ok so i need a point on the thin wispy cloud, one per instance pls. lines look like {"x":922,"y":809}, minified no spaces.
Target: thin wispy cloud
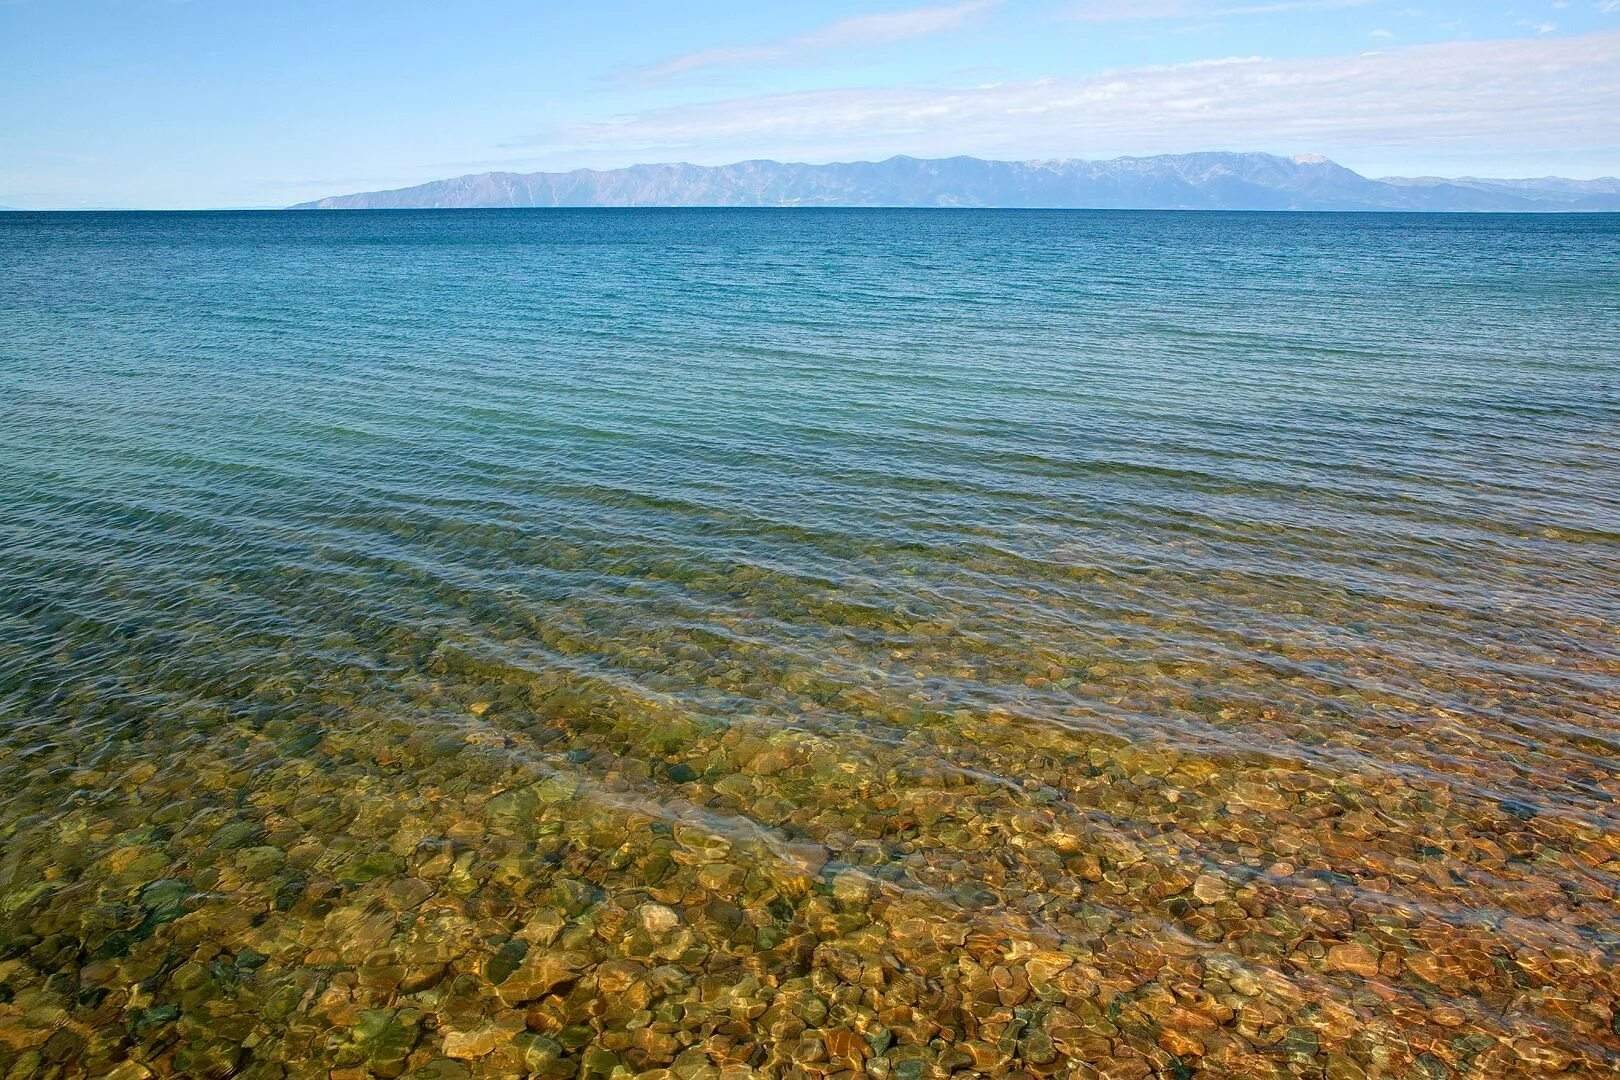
{"x":1136,"y":10}
{"x":1536,"y":92}
{"x":860,"y":31}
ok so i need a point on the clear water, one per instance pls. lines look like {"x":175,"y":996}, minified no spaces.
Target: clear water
{"x":815,"y":642}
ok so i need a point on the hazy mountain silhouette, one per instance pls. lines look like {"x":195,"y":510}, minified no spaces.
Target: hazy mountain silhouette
{"x":1209,"y":181}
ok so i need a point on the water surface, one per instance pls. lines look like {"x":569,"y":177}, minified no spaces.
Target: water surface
{"x":878,"y":643}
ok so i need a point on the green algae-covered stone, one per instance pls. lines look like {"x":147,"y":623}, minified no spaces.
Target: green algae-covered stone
{"x":371,"y":866}
{"x":381,"y":1040}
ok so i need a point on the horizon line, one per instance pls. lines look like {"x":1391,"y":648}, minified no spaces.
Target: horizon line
{"x":842,"y":207}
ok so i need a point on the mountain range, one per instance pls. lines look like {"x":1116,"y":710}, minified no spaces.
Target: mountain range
{"x":1206,"y":181}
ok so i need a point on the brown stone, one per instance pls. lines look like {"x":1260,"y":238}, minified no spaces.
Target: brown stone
{"x":480,"y":1042}
{"x":1355,"y":958}
{"x":845,"y":1046}
{"x":1180,"y":1043}
{"x":542,"y":971}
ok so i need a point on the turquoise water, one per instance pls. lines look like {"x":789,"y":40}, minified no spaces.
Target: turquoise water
{"x":880,"y":642}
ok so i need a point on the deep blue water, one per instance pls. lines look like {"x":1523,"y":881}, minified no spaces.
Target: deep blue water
{"x":976,"y":494}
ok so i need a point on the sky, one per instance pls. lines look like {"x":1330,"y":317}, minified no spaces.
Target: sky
{"x":230,"y":103}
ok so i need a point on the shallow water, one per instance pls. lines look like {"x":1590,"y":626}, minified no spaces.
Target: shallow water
{"x":820,"y":643}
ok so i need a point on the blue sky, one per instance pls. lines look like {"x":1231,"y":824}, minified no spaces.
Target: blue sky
{"x":186,"y":103}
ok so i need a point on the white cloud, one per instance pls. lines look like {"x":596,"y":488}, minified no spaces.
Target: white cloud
{"x":1557,"y":93}
{"x":860,"y":31}
{"x":1131,"y":10}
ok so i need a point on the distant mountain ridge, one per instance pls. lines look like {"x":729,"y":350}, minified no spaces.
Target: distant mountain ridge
{"x":1205,"y":181}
